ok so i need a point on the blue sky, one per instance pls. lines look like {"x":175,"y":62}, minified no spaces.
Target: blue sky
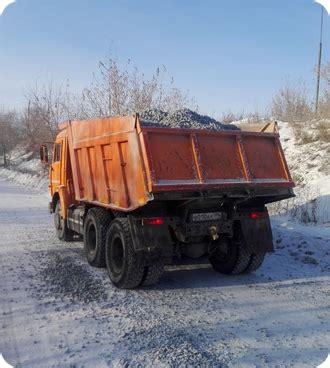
{"x":231,"y":54}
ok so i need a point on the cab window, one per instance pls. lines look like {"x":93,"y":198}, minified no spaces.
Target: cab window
{"x":57,"y":152}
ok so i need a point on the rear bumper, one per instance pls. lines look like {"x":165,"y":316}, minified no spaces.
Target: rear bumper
{"x":261,"y":193}
{"x":223,"y":185}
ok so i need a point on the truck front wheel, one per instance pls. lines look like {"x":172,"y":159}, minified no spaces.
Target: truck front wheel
{"x":122,"y":262}
{"x":95,"y":228}
{"x":62,"y":230}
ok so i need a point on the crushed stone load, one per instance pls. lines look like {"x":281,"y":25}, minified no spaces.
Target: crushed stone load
{"x":186,"y":119}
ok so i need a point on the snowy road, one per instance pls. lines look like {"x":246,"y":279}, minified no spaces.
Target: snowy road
{"x":56,"y":311}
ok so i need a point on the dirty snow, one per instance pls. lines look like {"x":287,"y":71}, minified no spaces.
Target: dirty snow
{"x":57,"y":311}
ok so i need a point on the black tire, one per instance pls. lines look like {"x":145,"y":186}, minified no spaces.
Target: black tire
{"x":152,"y":274}
{"x":95,"y":229}
{"x":61,"y":228}
{"x":256,"y":260}
{"x":234,"y":261}
{"x":118,"y":214}
{"x":123,"y":266}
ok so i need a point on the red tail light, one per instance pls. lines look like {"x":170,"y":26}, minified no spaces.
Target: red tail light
{"x":258,"y":215}
{"x":153,"y":221}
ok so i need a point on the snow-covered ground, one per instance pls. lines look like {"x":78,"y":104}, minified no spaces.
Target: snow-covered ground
{"x":57,"y":311}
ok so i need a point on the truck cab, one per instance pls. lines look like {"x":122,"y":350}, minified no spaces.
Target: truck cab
{"x":60,"y":179}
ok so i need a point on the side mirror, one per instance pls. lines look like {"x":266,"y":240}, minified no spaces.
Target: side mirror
{"x":44,"y":154}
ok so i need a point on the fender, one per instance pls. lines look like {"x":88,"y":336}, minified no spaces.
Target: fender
{"x":65,"y":200}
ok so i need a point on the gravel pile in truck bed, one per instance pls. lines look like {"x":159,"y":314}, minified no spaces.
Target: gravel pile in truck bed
{"x":185,"y":118}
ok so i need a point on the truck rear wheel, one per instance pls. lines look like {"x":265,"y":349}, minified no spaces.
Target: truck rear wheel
{"x":62,"y":230}
{"x":95,"y":228}
{"x":152,"y":274}
{"x":256,"y":261}
{"x":122,"y":262}
{"x":232,"y":260}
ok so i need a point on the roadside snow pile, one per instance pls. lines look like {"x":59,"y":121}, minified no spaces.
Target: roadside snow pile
{"x":309,"y":162}
{"x":186,"y":119}
{"x":312,"y":204}
{"x":26,"y":170}
{"x":309,"y":165}
{"x":36,"y":181}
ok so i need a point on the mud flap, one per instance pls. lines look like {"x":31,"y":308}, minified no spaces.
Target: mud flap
{"x":152,"y":241}
{"x":257,"y":234}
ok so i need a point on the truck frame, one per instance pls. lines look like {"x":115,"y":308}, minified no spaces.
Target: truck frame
{"x":141,"y":196}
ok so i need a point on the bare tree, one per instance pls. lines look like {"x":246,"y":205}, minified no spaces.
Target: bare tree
{"x":325,"y":74}
{"x":34,"y":129}
{"x":324,"y":102}
{"x":9,"y":134}
{"x":48,"y":104}
{"x":292,"y":104}
{"x":122,"y":91}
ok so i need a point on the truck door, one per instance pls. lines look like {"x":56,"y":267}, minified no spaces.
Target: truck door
{"x":55,"y":169}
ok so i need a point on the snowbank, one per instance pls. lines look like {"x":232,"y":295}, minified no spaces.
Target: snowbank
{"x":309,"y":164}
{"x":36,"y":181}
{"x":26,"y":170}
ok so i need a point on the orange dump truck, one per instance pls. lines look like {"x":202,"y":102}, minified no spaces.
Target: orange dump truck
{"x":142,"y":195}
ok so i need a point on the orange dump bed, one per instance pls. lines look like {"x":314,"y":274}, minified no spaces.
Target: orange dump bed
{"x":118,"y":163}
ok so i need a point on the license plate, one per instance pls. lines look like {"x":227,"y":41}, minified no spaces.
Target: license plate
{"x":212,"y":216}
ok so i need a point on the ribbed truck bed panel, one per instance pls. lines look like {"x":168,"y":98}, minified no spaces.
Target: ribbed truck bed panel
{"x":200,"y":159}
